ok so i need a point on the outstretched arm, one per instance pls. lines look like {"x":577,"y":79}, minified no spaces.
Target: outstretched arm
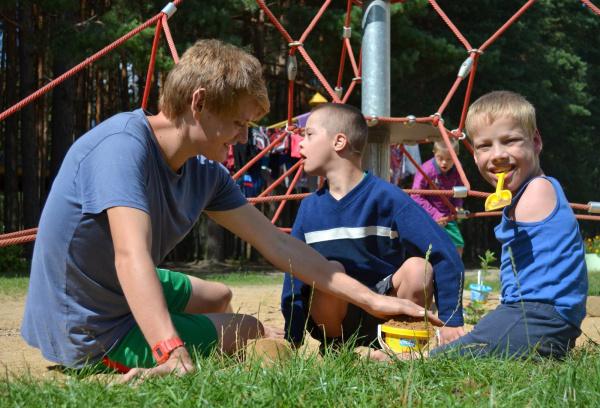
{"x":291,"y":255}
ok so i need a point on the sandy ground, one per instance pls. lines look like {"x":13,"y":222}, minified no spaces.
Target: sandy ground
{"x":262,"y":301}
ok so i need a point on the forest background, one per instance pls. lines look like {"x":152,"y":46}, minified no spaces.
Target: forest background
{"x":550,"y":55}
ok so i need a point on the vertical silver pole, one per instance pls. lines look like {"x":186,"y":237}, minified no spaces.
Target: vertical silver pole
{"x":376,"y":82}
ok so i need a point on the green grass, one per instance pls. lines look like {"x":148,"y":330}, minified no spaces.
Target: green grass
{"x":246,"y":278}
{"x":594,"y":282}
{"x":13,"y":285}
{"x":342,"y":380}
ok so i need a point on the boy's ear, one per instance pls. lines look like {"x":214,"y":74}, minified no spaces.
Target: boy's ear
{"x":340,"y":141}
{"x":198,"y":101}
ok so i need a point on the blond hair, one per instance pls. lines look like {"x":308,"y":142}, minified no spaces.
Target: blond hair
{"x":346,"y":119}
{"x":440,"y":145}
{"x":491,"y":106}
{"x":224,"y":70}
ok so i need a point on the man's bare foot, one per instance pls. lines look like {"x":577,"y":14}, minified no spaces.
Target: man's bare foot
{"x":273,"y":332}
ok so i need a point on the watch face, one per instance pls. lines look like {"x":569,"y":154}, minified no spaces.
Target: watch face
{"x":159,"y":353}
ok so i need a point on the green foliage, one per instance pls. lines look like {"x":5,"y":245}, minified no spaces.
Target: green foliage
{"x":473,"y":312}
{"x":486,"y":260}
{"x":12,"y":260}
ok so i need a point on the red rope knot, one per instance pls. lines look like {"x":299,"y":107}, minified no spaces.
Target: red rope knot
{"x":347,"y":32}
{"x":357,"y":79}
{"x":295,"y":44}
{"x":594,"y":207}
{"x":437,"y":117}
{"x":459,"y":135}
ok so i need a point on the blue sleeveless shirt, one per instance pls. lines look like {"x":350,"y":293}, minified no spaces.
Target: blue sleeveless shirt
{"x":549,"y":259}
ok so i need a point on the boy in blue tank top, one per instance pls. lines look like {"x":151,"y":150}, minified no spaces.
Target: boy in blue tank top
{"x":372,"y":230}
{"x":543,"y":272}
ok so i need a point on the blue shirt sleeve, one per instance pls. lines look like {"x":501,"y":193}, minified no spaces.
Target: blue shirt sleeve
{"x":417,"y":231}
{"x":293,"y":306}
{"x":114,"y":174}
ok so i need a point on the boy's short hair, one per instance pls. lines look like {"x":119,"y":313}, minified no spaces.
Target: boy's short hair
{"x":224,"y":70}
{"x":494,"y":105}
{"x":440,"y":145}
{"x":346,"y":119}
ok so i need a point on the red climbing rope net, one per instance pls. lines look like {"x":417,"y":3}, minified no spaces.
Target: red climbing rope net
{"x":336,"y":95}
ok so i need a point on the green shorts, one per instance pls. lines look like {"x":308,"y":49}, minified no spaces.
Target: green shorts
{"x":455,"y":235}
{"x":197,"y":331}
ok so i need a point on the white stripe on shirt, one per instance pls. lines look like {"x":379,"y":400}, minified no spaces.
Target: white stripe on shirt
{"x":349,"y":233}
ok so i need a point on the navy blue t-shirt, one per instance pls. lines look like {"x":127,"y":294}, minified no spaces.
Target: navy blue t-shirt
{"x":75,"y":310}
{"x":372,"y":230}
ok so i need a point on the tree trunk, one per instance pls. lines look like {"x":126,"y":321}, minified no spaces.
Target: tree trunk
{"x":11,"y":197}
{"x":63,"y":98}
{"x":27,"y":72}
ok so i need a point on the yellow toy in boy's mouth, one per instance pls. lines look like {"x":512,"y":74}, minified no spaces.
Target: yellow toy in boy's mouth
{"x":501,"y":198}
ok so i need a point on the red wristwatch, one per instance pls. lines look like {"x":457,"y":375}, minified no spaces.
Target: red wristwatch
{"x":162,"y":350}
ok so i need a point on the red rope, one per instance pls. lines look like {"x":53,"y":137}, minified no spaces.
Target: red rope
{"x":319,"y":75}
{"x":151,"y":64}
{"x":591,"y":6}
{"x":169,"y":38}
{"x":35,"y":95}
{"x":18,"y":240}
{"x":314,"y":21}
{"x":275,"y":21}
{"x":30,"y":231}
{"x":270,"y":199}
{"x":259,"y":156}
{"x":504,"y":27}
{"x":450,"y":24}
{"x":281,"y":179}
{"x":289,"y":190}
{"x":457,"y":164}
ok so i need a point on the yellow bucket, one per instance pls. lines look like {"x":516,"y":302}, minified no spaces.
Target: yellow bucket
{"x":401,"y":340}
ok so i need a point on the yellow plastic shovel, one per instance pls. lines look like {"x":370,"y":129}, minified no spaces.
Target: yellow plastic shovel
{"x":501,"y":198}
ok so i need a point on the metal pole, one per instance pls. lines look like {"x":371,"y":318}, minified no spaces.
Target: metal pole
{"x":376,"y":83}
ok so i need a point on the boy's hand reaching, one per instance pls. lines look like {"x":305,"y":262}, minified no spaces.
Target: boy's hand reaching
{"x":179,"y":363}
{"x":449,"y":334}
{"x":389,"y":306}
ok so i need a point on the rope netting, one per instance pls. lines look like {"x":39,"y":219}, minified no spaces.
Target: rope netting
{"x":468,"y":69}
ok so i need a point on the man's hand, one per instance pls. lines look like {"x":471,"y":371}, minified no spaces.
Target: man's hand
{"x":449,"y":334}
{"x":389,"y":306}
{"x":179,"y":363}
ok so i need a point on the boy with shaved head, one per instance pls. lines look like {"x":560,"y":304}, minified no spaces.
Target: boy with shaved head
{"x":370,"y":229}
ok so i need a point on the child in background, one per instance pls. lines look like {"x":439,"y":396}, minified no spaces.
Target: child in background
{"x":542,"y":272}
{"x":440,"y":169}
{"x":372,"y":230}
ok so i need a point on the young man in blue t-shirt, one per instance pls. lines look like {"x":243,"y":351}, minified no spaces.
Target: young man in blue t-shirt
{"x":127,"y":192}
{"x":371,"y":229}
{"x":542,"y":271}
